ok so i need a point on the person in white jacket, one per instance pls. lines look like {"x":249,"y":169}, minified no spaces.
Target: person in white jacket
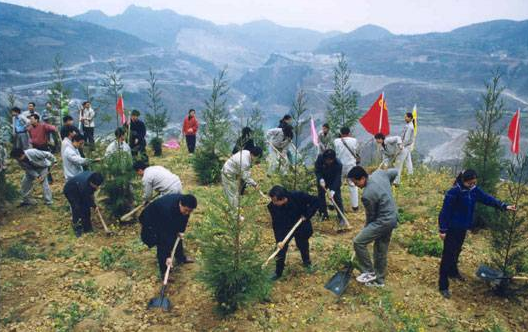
{"x":408,"y":142}
{"x":157,"y":179}
{"x":391,"y":152}
{"x":236,"y":173}
{"x":346,"y":149}
{"x":87,"y":121}
{"x":72,"y":161}
{"x":279,"y":140}
{"x":119,"y":144}
{"x":37,"y":164}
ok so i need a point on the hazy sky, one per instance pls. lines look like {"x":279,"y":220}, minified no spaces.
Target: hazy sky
{"x":399,"y":16}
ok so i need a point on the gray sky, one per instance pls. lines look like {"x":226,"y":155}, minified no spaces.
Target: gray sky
{"x":399,"y":16}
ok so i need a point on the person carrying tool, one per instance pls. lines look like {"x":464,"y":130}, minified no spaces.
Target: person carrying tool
{"x":79,"y":191}
{"x":286,"y":208}
{"x":236,"y":173}
{"x":163,"y":221}
{"x":391,"y":152}
{"x":328,"y":171}
{"x":279,"y":140}
{"x":454,"y":220}
{"x":381,"y":218}
{"x":157,"y":179}
{"x":346,"y":150}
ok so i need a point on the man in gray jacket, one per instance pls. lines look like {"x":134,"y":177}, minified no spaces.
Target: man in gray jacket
{"x":37,"y":164}
{"x":72,"y":161}
{"x":157,"y":179}
{"x":382,"y":218}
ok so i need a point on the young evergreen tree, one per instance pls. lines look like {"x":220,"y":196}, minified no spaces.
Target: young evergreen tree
{"x":119,"y":175}
{"x":482,"y":151}
{"x":157,"y":120}
{"x":113,"y":85}
{"x":214,"y":136}
{"x":300,"y":177}
{"x":509,"y":231}
{"x":343,"y":102}
{"x":230,"y":260}
{"x":58,"y":94}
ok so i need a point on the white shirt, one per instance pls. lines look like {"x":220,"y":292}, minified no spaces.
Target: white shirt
{"x":342,"y":152}
{"x":116,"y":146}
{"x":239,"y":163}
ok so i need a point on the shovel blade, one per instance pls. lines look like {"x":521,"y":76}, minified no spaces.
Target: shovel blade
{"x":339,"y":282}
{"x":159,"y":302}
{"x":488,"y":274}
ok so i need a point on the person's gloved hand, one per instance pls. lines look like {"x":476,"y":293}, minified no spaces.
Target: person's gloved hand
{"x":331,"y":193}
{"x":322,"y":183}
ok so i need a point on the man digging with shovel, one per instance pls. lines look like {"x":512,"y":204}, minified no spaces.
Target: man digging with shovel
{"x":163,"y":221}
{"x":382,"y":218}
{"x":287,"y":210}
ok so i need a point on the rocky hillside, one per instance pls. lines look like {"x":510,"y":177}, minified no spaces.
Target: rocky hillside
{"x":52,"y":281}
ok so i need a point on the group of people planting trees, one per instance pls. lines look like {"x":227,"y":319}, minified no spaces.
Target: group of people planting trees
{"x":165,"y":208}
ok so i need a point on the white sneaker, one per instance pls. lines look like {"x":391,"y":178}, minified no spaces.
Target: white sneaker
{"x":366,"y":277}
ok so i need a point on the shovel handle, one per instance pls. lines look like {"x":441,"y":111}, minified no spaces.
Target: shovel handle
{"x":337,"y":208}
{"x":172,"y":257}
{"x":263,"y":195}
{"x":288,"y":236}
{"x":102,"y":220}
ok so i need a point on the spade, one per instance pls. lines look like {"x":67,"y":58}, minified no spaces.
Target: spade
{"x":162,"y":301}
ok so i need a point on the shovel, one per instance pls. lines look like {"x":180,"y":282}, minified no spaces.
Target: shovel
{"x":495,"y":277}
{"x":288,"y":236}
{"x":339,"y":281}
{"x":107,"y":231}
{"x":133,"y":212}
{"x":338,"y":209}
{"x":162,"y":301}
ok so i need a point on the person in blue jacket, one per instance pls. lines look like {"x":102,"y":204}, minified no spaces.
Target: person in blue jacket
{"x":456,"y":218}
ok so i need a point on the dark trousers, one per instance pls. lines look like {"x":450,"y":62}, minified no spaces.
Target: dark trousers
{"x":304,"y":247}
{"x":322,"y":201}
{"x":449,"y":264}
{"x":191,"y":142}
{"x":47,"y":149}
{"x":81,"y":215}
{"x":88,"y":133}
{"x":164,"y":252}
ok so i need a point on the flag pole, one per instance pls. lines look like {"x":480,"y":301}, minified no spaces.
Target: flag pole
{"x":381,"y":111}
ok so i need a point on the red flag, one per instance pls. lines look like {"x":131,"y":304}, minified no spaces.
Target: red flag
{"x":514,"y":132}
{"x":120,"y":109}
{"x":376,"y":120}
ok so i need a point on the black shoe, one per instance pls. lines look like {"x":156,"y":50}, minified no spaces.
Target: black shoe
{"x":445,"y":293}
{"x":78,"y":232}
{"x":275,"y":277}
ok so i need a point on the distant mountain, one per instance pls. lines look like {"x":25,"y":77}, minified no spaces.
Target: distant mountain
{"x":251,"y":43}
{"x":158,"y":27}
{"x":31,"y":38}
{"x":466,"y":55}
{"x":366,"y":32}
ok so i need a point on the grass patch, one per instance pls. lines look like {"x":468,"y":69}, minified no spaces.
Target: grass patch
{"x":110,"y":256}
{"x":420,"y":246}
{"x":23,"y":252}
{"x":396,"y":317}
{"x":87,"y":287}
{"x":405,"y":216}
{"x":65,"y":319}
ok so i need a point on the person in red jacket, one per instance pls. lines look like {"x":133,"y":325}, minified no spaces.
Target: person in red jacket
{"x":190,"y":127}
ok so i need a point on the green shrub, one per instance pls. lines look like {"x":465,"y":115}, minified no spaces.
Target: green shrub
{"x":87,"y":287}
{"x":208,"y":166}
{"x":404,"y":216}
{"x":421,"y":246}
{"x":339,"y":257}
{"x":23,"y":252}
